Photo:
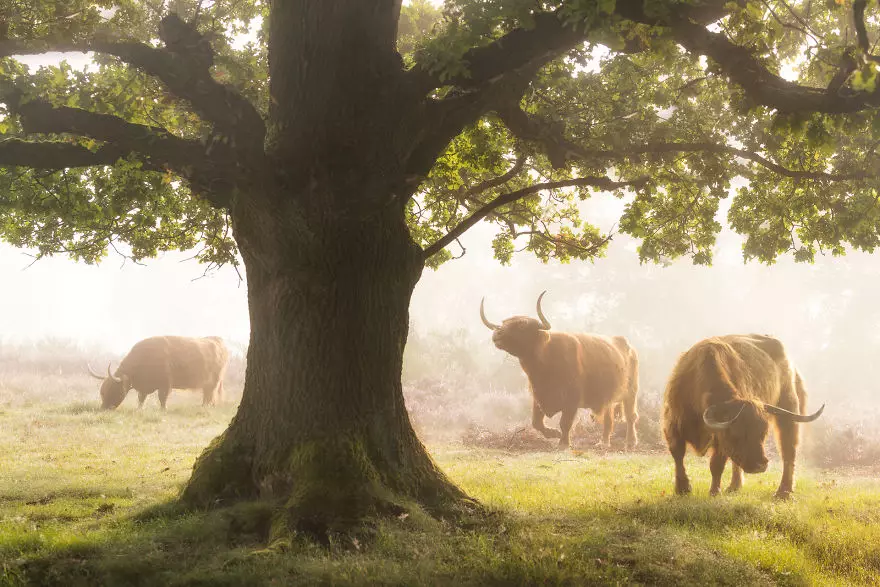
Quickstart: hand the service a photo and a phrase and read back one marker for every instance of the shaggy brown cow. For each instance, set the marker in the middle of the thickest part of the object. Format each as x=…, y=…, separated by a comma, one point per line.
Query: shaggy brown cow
x=568, y=371
x=163, y=363
x=724, y=393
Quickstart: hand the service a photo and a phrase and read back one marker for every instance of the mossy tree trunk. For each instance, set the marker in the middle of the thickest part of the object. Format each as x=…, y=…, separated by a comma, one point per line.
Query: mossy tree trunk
x=322, y=428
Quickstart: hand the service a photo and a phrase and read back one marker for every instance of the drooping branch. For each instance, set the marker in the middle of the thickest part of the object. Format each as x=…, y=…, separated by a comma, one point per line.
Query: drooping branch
x=211, y=175
x=559, y=149
x=183, y=66
x=760, y=84
x=505, y=199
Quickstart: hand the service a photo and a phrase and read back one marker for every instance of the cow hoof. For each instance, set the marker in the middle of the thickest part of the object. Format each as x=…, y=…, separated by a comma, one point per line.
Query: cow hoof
x=714, y=492
x=733, y=489
x=562, y=446
x=783, y=494
x=683, y=488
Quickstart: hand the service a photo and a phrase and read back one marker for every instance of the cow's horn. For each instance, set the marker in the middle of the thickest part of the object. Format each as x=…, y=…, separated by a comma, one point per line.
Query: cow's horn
x=544, y=321
x=483, y=316
x=94, y=373
x=714, y=424
x=111, y=376
x=777, y=411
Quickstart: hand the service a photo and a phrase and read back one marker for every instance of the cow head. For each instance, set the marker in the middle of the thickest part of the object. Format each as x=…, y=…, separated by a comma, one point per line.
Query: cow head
x=741, y=427
x=518, y=335
x=113, y=388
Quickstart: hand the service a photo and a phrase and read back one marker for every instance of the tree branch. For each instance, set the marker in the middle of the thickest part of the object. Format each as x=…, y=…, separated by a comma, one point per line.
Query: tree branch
x=38, y=116
x=761, y=85
x=548, y=37
x=184, y=67
x=444, y=119
x=214, y=175
x=55, y=155
x=599, y=182
x=494, y=182
x=558, y=147
x=514, y=50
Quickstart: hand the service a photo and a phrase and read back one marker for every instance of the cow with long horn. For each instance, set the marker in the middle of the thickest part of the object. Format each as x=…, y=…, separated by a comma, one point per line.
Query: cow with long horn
x=569, y=371
x=725, y=393
x=162, y=363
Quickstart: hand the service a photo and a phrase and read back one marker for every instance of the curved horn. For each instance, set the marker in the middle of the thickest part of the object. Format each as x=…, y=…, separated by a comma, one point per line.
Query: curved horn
x=111, y=376
x=94, y=373
x=483, y=316
x=777, y=411
x=543, y=318
x=714, y=424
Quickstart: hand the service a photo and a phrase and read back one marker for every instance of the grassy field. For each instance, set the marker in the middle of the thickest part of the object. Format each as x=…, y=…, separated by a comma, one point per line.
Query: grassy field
x=84, y=501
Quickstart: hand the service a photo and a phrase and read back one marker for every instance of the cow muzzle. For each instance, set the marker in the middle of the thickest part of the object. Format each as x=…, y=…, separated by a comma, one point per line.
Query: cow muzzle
x=758, y=467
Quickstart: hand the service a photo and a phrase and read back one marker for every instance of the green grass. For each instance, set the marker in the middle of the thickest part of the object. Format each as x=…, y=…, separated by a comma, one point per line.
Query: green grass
x=85, y=500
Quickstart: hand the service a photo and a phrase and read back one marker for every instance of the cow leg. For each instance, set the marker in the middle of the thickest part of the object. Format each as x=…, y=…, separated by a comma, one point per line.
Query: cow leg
x=163, y=396
x=565, y=423
x=717, y=462
x=736, y=479
x=538, y=422
x=786, y=440
x=608, y=426
x=211, y=394
x=142, y=397
x=677, y=448
x=632, y=437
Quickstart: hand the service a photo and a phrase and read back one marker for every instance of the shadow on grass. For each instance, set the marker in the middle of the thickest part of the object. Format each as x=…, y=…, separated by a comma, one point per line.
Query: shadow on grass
x=165, y=544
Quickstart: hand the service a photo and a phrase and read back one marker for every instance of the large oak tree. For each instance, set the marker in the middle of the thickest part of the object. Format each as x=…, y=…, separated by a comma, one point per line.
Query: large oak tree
x=352, y=142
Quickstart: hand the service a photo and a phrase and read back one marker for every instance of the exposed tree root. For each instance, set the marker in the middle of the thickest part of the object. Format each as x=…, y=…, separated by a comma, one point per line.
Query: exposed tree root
x=325, y=489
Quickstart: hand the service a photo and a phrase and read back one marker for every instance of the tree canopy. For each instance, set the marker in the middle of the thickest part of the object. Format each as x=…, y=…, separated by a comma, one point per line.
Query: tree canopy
x=665, y=101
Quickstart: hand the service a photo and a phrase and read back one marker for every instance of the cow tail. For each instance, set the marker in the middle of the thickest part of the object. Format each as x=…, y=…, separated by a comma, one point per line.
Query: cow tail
x=632, y=382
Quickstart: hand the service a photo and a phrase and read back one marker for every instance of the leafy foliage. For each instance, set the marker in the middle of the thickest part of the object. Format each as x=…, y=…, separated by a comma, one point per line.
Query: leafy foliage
x=814, y=188
x=614, y=106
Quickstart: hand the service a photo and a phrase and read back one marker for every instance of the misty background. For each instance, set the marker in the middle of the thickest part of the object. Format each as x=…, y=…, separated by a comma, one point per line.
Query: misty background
x=56, y=314
x=825, y=314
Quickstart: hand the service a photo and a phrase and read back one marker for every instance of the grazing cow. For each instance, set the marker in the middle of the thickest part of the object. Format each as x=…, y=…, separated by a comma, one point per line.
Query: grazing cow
x=724, y=393
x=163, y=363
x=568, y=371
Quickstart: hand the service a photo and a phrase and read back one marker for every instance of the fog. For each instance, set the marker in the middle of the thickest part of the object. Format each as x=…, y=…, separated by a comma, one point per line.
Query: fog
x=823, y=312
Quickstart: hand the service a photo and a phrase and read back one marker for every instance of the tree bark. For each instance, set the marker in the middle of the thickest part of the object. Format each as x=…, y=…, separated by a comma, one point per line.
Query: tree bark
x=322, y=429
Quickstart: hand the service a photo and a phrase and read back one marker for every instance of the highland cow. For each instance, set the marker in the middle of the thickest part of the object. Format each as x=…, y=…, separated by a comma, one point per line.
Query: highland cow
x=568, y=371
x=163, y=363
x=724, y=393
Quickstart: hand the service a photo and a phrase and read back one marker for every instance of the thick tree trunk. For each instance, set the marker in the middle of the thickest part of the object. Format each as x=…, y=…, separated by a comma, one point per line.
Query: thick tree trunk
x=322, y=429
